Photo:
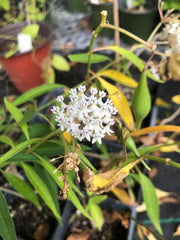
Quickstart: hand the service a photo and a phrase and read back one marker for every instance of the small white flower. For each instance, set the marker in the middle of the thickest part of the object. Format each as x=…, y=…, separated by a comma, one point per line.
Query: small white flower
x=85, y=117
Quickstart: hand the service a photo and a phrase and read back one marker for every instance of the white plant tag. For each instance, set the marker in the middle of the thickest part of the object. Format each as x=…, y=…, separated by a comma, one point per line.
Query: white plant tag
x=24, y=42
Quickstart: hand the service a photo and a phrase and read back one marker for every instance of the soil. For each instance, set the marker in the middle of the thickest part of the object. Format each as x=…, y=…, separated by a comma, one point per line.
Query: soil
x=116, y=224
x=30, y=222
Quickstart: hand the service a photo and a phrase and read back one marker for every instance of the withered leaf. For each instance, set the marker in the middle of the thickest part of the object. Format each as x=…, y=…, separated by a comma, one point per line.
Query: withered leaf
x=104, y=182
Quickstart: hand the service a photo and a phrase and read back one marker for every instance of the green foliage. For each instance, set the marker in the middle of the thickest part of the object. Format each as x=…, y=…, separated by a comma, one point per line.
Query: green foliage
x=31, y=30
x=83, y=58
x=150, y=199
x=7, y=230
x=22, y=187
x=4, y=4
x=95, y=210
x=60, y=63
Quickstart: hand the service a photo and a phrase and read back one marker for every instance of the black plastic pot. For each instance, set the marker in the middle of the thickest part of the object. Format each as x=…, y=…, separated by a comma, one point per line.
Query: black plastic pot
x=76, y=6
x=96, y=17
x=139, y=23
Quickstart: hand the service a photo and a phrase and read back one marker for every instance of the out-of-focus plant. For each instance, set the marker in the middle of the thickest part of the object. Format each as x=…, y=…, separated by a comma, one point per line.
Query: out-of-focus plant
x=93, y=110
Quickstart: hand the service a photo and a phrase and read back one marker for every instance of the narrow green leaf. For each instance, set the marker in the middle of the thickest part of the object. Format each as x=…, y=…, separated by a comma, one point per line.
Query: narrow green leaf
x=31, y=30
x=27, y=116
x=150, y=199
x=71, y=195
x=132, y=58
x=17, y=149
x=36, y=92
x=83, y=58
x=18, y=116
x=7, y=230
x=2, y=115
x=42, y=189
x=6, y=140
x=22, y=187
x=60, y=63
x=50, y=183
x=4, y=4
x=87, y=162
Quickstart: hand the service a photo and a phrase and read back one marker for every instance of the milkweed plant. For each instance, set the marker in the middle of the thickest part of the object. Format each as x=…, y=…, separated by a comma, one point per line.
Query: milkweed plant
x=55, y=152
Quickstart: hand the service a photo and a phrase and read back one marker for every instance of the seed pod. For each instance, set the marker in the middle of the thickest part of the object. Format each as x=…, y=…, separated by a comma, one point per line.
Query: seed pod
x=141, y=100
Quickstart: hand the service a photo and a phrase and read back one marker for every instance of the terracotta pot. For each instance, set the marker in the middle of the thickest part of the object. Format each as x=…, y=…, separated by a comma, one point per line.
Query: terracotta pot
x=26, y=69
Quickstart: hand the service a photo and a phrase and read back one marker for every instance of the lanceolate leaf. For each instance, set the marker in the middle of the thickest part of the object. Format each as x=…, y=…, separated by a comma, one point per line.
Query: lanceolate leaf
x=132, y=58
x=17, y=149
x=119, y=77
x=71, y=195
x=83, y=58
x=4, y=4
x=161, y=128
x=18, y=116
x=36, y=92
x=7, y=230
x=50, y=183
x=32, y=30
x=150, y=199
x=120, y=102
x=22, y=187
x=6, y=140
x=60, y=63
x=42, y=189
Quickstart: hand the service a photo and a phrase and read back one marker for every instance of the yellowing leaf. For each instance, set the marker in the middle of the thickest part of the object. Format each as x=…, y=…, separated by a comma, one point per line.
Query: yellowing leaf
x=119, y=77
x=104, y=182
x=120, y=102
x=122, y=195
x=176, y=99
x=171, y=148
x=177, y=233
x=161, y=128
x=67, y=136
x=161, y=103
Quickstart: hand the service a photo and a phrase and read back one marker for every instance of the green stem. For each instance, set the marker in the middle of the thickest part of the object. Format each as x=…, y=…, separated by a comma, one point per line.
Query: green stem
x=54, y=133
x=167, y=161
x=94, y=36
x=131, y=35
x=157, y=235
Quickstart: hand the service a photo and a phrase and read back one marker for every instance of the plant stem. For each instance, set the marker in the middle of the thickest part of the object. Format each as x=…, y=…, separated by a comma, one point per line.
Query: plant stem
x=45, y=139
x=94, y=36
x=167, y=161
x=157, y=235
x=138, y=39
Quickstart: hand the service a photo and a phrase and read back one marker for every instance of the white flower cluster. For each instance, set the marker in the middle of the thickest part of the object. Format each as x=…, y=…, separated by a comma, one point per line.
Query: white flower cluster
x=85, y=117
x=172, y=31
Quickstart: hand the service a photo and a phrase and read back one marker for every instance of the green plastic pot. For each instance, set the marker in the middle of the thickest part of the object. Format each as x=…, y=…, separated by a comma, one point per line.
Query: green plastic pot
x=96, y=17
x=76, y=6
x=140, y=24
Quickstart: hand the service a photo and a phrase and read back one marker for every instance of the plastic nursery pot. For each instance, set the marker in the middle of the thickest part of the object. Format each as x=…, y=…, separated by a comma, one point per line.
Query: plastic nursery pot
x=76, y=6
x=139, y=23
x=96, y=17
x=26, y=69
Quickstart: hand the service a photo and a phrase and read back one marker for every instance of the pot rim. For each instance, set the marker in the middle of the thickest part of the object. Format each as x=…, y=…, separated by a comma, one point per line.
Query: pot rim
x=45, y=30
x=150, y=9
